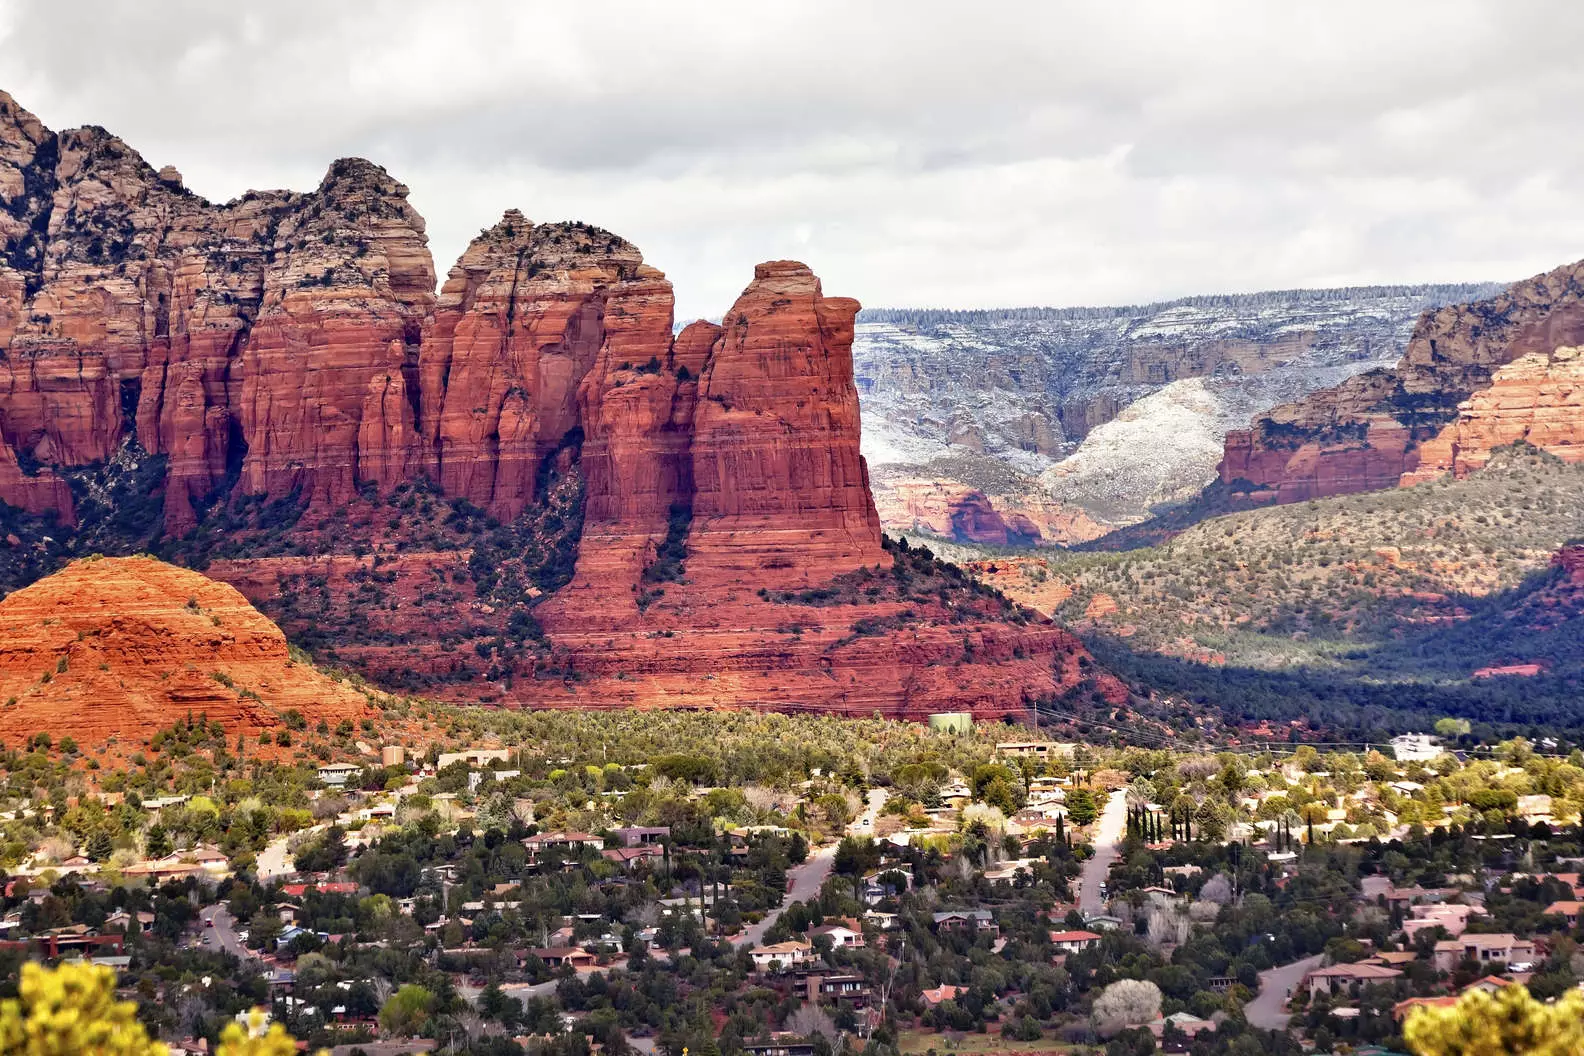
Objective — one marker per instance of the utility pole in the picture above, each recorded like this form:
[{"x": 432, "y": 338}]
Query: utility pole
[{"x": 885, "y": 991}]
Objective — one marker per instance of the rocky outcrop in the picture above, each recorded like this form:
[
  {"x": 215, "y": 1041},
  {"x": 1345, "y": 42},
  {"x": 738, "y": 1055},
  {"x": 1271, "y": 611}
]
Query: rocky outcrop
[
  {"x": 522, "y": 489},
  {"x": 520, "y": 323},
  {"x": 1405, "y": 424},
  {"x": 1537, "y": 399},
  {"x": 961, "y": 514},
  {"x": 118, "y": 648},
  {"x": 779, "y": 488},
  {"x": 270, "y": 338}
]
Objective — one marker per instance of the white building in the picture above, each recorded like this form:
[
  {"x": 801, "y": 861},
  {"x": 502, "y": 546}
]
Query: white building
[{"x": 1415, "y": 748}]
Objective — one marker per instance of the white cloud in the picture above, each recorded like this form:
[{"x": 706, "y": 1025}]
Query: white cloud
[{"x": 918, "y": 154}]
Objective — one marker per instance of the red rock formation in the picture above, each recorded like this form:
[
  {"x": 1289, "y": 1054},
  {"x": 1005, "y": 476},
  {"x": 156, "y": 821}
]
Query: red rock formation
[
  {"x": 1537, "y": 399},
  {"x": 117, "y": 648},
  {"x": 271, "y": 334},
  {"x": 1375, "y": 429},
  {"x": 291, "y": 347},
  {"x": 520, "y": 323},
  {"x": 958, "y": 512},
  {"x": 781, "y": 493}
]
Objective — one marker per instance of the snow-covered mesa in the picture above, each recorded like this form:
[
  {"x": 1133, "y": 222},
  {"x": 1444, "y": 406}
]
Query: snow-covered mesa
[{"x": 1108, "y": 412}]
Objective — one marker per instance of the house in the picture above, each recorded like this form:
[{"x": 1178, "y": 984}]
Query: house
[
  {"x": 1041, "y": 750},
  {"x": 1162, "y": 897},
  {"x": 339, "y": 887},
  {"x": 1401, "y": 1009},
  {"x": 1453, "y": 917},
  {"x": 780, "y": 1044},
  {"x": 1569, "y": 910},
  {"x": 1030, "y": 820},
  {"x": 642, "y": 836},
  {"x": 211, "y": 859},
  {"x": 955, "y": 794},
  {"x": 884, "y": 883},
  {"x": 627, "y": 857},
  {"x": 565, "y": 842},
  {"x": 338, "y": 774},
  {"x": 1104, "y": 921},
  {"x": 846, "y": 989},
  {"x": 1505, "y": 948},
  {"x": 1392, "y": 958},
  {"x": 559, "y": 956},
  {"x": 170, "y": 867},
  {"x": 121, "y": 920},
  {"x": 841, "y": 935},
  {"x": 1534, "y": 809},
  {"x": 473, "y": 757},
  {"x": 1182, "y": 1023},
  {"x": 1073, "y": 941},
  {"x": 1415, "y": 748},
  {"x": 782, "y": 954},
  {"x": 969, "y": 920},
  {"x": 942, "y": 993},
  {"x": 1339, "y": 978}
]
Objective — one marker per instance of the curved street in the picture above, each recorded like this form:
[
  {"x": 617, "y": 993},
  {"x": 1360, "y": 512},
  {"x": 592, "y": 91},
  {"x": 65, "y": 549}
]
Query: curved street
[{"x": 1268, "y": 1010}]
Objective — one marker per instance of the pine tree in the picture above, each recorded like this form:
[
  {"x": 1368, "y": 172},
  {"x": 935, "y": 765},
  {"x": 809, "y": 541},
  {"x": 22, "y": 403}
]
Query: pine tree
[{"x": 100, "y": 846}]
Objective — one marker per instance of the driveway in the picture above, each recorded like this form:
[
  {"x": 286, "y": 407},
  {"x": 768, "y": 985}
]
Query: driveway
[
  {"x": 1108, "y": 836},
  {"x": 1268, "y": 1010}
]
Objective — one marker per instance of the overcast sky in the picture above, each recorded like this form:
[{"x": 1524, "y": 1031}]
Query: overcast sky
[{"x": 915, "y": 154}]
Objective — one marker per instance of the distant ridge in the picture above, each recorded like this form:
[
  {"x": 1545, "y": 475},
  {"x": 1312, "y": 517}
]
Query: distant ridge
[{"x": 1440, "y": 292}]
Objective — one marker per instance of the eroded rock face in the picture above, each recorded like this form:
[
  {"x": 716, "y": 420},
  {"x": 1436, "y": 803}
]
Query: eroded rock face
[
  {"x": 270, "y": 338},
  {"x": 122, "y": 647},
  {"x": 527, "y": 468},
  {"x": 1537, "y": 399},
  {"x": 953, "y": 511},
  {"x": 1387, "y": 426}
]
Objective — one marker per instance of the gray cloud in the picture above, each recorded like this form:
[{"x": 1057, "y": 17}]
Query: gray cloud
[{"x": 921, "y": 153}]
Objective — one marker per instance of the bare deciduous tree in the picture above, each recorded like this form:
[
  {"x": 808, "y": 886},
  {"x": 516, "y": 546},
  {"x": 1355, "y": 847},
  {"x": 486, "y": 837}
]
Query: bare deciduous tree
[
  {"x": 810, "y": 1020},
  {"x": 1126, "y": 1003}
]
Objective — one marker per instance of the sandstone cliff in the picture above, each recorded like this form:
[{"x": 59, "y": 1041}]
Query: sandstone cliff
[
  {"x": 523, "y": 489},
  {"x": 1410, "y": 422},
  {"x": 122, "y": 647}
]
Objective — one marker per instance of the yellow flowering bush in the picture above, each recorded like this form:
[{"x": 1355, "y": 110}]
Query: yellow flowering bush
[
  {"x": 1508, "y": 1022},
  {"x": 69, "y": 1010},
  {"x": 73, "y": 1009}
]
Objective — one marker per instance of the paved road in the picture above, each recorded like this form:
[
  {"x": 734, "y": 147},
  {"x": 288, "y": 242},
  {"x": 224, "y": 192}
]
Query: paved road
[
  {"x": 274, "y": 860},
  {"x": 1268, "y": 1010},
  {"x": 224, "y": 933},
  {"x": 1108, "y": 834},
  {"x": 808, "y": 878}
]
